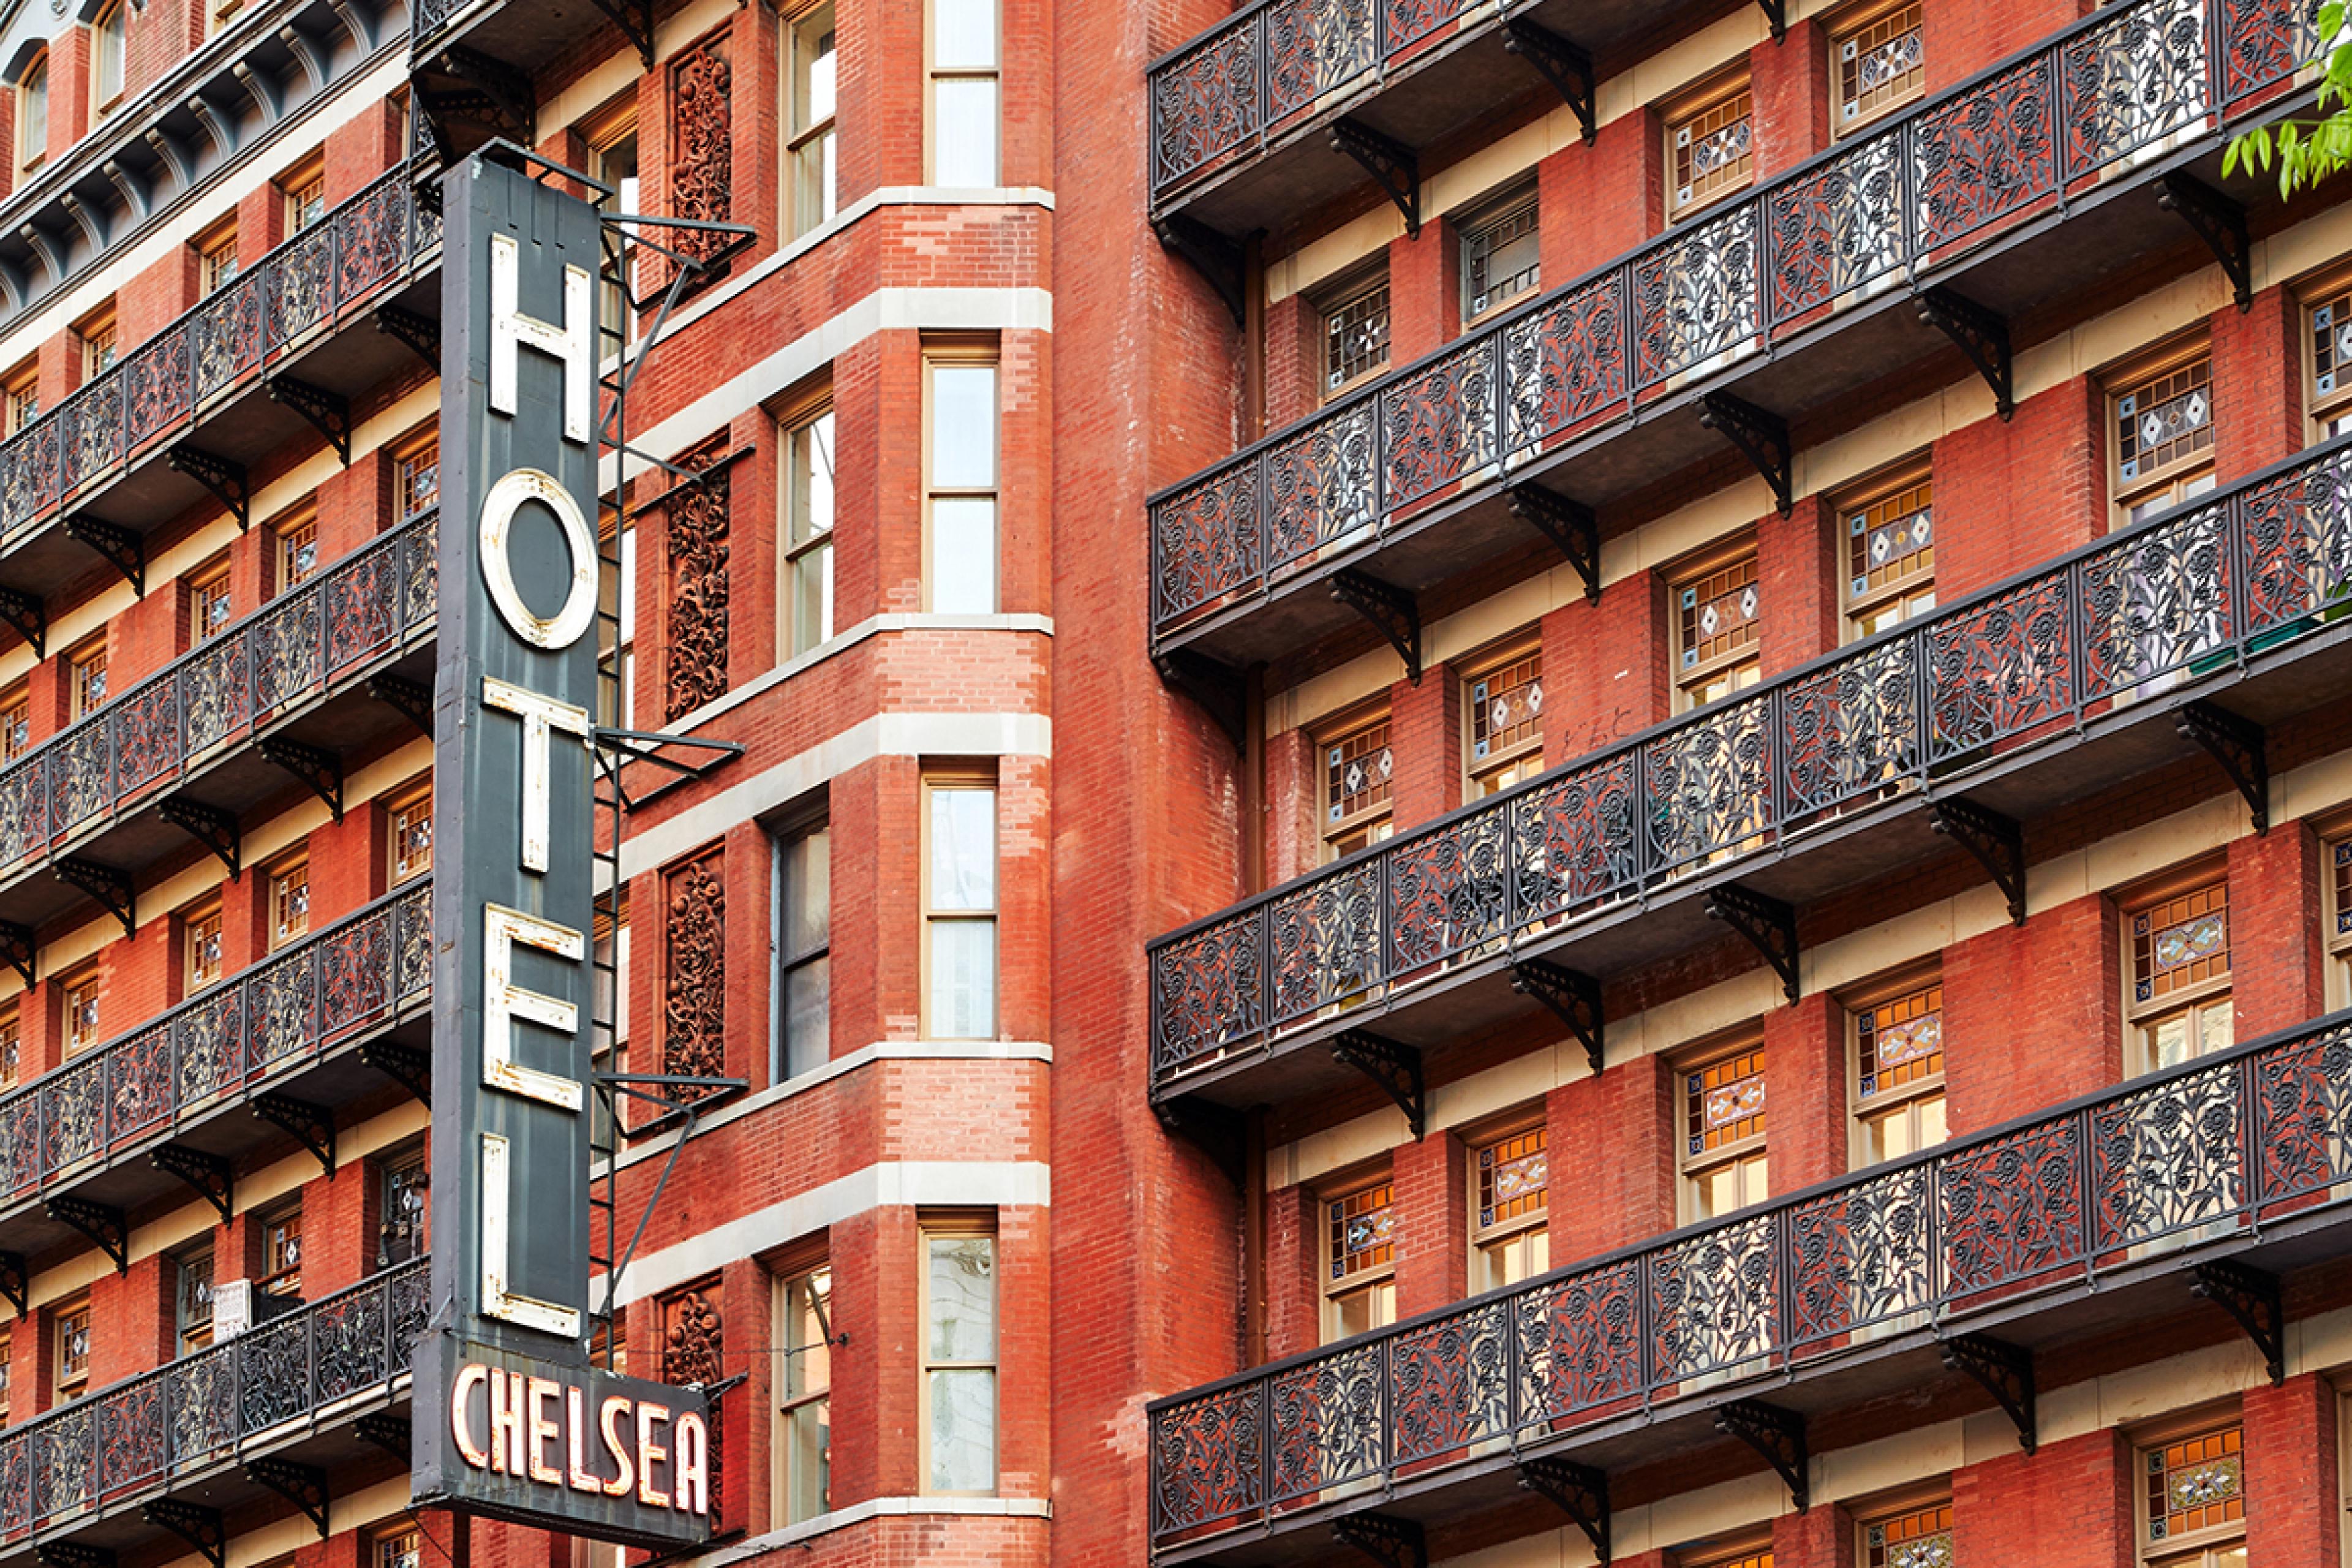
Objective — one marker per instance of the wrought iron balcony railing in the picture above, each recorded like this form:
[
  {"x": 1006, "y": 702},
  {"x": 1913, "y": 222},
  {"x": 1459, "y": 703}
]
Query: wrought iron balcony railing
[
  {"x": 2198, "y": 1157},
  {"x": 2196, "y": 596},
  {"x": 227, "y": 1042},
  {"x": 309, "y": 285},
  {"x": 1949, "y": 179},
  {"x": 230, "y": 687},
  {"x": 139, "y": 1437}
]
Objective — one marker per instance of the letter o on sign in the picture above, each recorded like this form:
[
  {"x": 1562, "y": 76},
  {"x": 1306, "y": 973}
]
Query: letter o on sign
[{"x": 567, "y": 626}]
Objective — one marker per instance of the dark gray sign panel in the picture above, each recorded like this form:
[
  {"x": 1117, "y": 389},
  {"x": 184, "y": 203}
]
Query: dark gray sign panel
[{"x": 510, "y": 1418}]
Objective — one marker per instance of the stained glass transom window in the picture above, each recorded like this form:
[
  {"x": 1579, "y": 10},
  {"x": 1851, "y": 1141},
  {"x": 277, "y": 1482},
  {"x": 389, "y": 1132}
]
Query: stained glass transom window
[
  {"x": 1358, "y": 770},
  {"x": 1506, "y": 709},
  {"x": 1362, "y": 1231},
  {"x": 12, "y": 1050},
  {"x": 1513, "y": 1176},
  {"x": 1356, "y": 337},
  {"x": 1712, "y": 150},
  {"x": 1891, "y": 540},
  {"x": 2331, "y": 344},
  {"x": 1901, "y": 1040},
  {"x": 1920, "y": 1539},
  {"x": 2196, "y": 1483},
  {"x": 1724, "y": 1101},
  {"x": 1717, "y": 613},
  {"x": 2181, "y": 942},
  {"x": 1500, "y": 259},
  {"x": 2165, "y": 420},
  {"x": 2339, "y": 855},
  {"x": 1880, "y": 64}
]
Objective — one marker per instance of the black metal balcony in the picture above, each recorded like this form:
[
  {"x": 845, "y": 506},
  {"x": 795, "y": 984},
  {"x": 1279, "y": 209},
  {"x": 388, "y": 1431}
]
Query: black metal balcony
[
  {"x": 473, "y": 60},
  {"x": 319, "y": 1023},
  {"x": 284, "y": 691},
  {"x": 231, "y": 383},
  {"x": 2021, "y": 191},
  {"x": 1983, "y": 716},
  {"x": 2228, "y": 1173},
  {"x": 294, "y": 1388},
  {"x": 1242, "y": 116}
]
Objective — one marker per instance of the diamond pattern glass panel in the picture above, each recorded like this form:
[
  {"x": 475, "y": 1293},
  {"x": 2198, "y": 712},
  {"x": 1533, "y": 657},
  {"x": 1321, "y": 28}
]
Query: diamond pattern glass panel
[
  {"x": 1507, "y": 709},
  {"x": 2196, "y": 1483},
  {"x": 1499, "y": 259},
  {"x": 1713, "y": 150},
  {"x": 1356, "y": 337},
  {"x": 1891, "y": 540},
  {"x": 2331, "y": 344},
  {"x": 2180, "y": 943},
  {"x": 1716, "y": 613},
  {"x": 1358, "y": 770},
  {"x": 1920, "y": 1539},
  {"x": 1879, "y": 65},
  {"x": 2165, "y": 421},
  {"x": 2339, "y": 855}
]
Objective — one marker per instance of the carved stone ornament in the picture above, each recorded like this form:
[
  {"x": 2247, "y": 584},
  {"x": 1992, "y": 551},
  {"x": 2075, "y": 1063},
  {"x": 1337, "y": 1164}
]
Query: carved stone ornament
[
  {"x": 695, "y": 658},
  {"x": 694, "y": 972},
  {"x": 694, "y": 1341},
  {"x": 702, "y": 144}
]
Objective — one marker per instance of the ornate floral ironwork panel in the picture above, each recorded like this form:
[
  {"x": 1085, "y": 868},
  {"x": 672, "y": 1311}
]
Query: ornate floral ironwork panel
[
  {"x": 1204, "y": 541},
  {"x": 356, "y": 985},
  {"x": 362, "y": 609},
  {"x": 273, "y": 1373},
  {"x": 370, "y": 239},
  {"x": 1208, "y": 990},
  {"x": 1580, "y": 1342},
  {"x": 160, "y": 384},
  {"x": 2166, "y": 1159},
  {"x": 351, "y": 1341},
  {"x": 301, "y": 284},
  {"x": 139, "y": 1082},
  {"x": 1714, "y": 1301},
  {"x": 694, "y": 984},
  {"x": 133, "y": 1437},
  {"x": 1694, "y": 297},
  {"x": 1849, "y": 730},
  {"x": 2156, "y": 603},
  {"x": 413, "y": 944},
  {"x": 1838, "y": 226},
  {"x": 1325, "y": 1422},
  {"x": 287, "y": 653},
  {"x": 146, "y": 725},
  {"x": 282, "y": 1005},
  {"x": 2296, "y": 534},
  {"x": 1861, "y": 1256},
  {"x": 1564, "y": 364},
  {"x": 2010, "y": 1209},
  {"x": 419, "y": 575},
  {"x": 65, "y": 1461},
  {"x": 1319, "y": 483},
  {"x": 229, "y": 336},
  {"x": 23, "y": 810},
  {"x": 1324, "y": 940},
  {"x": 16, "y": 1500},
  {"x": 2263, "y": 42},
  {"x": 1576, "y": 840},
  {"x": 1313, "y": 48},
  {"x": 1407, "y": 21},
  {"x": 1999, "y": 668},
  {"x": 93, "y": 430},
  {"x": 73, "y": 1110},
  {"x": 81, "y": 774},
  {"x": 1450, "y": 1382},
  {"x": 1983, "y": 155},
  {"x": 1439, "y": 424},
  {"x": 702, "y": 144},
  {"x": 202, "y": 1393},
  {"x": 2303, "y": 1115},
  {"x": 1206, "y": 1460},
  {"x": 1708, "y": 786},
  {"x": 20, "y": 1140},
  {"x": 219, "y": 690},
  {"x": 1450, "y": 891},
  {"x": 1205, "y": 102},
  {"x": 696, "y": 532},
  {"x": 209, "y": 1046},
  {"x": 2132, "y": 80}
]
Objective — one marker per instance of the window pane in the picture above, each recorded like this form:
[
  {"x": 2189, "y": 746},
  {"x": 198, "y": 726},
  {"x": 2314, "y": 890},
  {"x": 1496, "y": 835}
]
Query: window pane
[
  {"x": 963, "y": 979},
  {"x": 963, "y": 1431},
  {"x": 813, "y": 597},
  {"x": 811, "y": 1459},
  {"x": 963, "y": 556},
  {"x": 963, "y": 848},
  {"x": 963, "y": 32},
  {"x": 964, "y": 426},
  {"x": 808, "y": 863},
  {"x": 812, "y": 499},
  {"x": 814, "y": 69},
  {"x": 628, "y": 605},
  {"x": 962, "y": 1298},
  {"x": 807, "y": 1017},
  {"x": 965, "y": 134}
]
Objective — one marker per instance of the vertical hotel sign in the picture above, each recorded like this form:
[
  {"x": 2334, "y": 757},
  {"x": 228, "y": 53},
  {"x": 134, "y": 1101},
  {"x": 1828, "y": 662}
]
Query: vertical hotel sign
[{"x": 512, "y": 1421}]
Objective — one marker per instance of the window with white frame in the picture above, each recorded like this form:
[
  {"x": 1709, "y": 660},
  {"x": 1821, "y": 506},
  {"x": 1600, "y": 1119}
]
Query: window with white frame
[
  {"x": 191, "y": 1299},
  {"x": 1359, "y": 1259},
  {"x": 33, "y": 113},
  {"x": 805, "y": 1393},
  {"x": 281, "y": 1250},
  {"x": 1878, "y": 63},
  {"x": 289, "y": 903},
  {"x": 963, "y": 74},
  {"x": 960, "y": 1347},
  {"x": 1710, "y": 145},
  {"x": 69, "y": 1328},
  {"x": 108, "y": 37},
  {"x": 410, "y": 816},
  {"x": 1723, "y": 1115},
  {"x": 1717, "y": 604},
  {"x": 961, "y": 467},
  {"x": 16, "y": 721},
  {"x": 1897, "y": 1040},
  {"x": 80, "y": 1009},
  {"x": 2328, "y": 356},
  {"x": 616, "y": 624},
  {"x": 1503, "y": 709},
  {"x": 960, "y": 906},
  {"x": 2191, "y": 1494},
  {"x": 2337, "y": 867},
  {"x": 1510, "y": 1178},
  {"x": 1355, "y": 336},
  {"x": 804, "y": 950},
  {"x": 2161, "y": 424},
  {"x": 1887, "y": 533},
  {"x": 807, "y": 599},
  {"x": 1501, "y": 255},
  {"x": 1359, "y": 772},
  {"x": 811, "y": 171},
  {"x": 2177, "y": 1000},
  {"x": 297, "y": 550},
  {"x": 200, "y": 935}
]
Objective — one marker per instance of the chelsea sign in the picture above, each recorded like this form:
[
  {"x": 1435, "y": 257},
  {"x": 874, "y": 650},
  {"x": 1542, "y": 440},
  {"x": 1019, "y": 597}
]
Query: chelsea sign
[{"x": 511, "y": 1420}]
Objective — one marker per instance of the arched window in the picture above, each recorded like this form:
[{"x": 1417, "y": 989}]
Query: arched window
[
  {"x": 33, "y": 113},
  {"x": 107, "y": 40}
]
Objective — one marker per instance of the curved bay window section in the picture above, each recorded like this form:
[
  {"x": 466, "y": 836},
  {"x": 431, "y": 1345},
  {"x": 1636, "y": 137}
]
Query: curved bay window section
[
  {"x": 1584, "y": 1357},
  {"x": 1995, "y": 164},
  {"x": 286, "y": 1385},
  {"x": 2230, "y": 594}
]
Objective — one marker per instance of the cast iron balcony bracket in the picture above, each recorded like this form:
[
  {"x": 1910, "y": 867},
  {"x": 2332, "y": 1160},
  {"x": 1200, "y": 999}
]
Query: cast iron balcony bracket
[
  {"x": 1579, "y": 1491},
  {"x": 19, "y": 951},
  {"x": 25, "y": 614},
  {"x": 1388, "y": 1540},
  {"x": 1216, "y": 686},
  {"x": 1571, "y": 526},
  {"x": 1212, "y": 256},
  {"x": 2220, "y": 221},
  {"x": 109, "y": 886},
  {"x": 118, "y": 547},
  {"x": 1981, "y": 334},
  {"x": 72, "y": 1554},
  {"x": 1566, "y": 67},
  {"x": 1768, "y": 924},
  {"x": 193, "y": 1522},
  {"x": 421, "y": 334},
  {"x": 2252, "y": 1297},
  {"x": 1217, "y": 1131},
  {"x": 412, "y": 700},
  {"x": 304, "y": 1486},
  {"x": 1776, "y": 12},
  {"x": 327, "y": 412},
  {"x": 1780, "y": 1437},
  {"x": 1571, "y": 996},
  {"x": 407, "y": 1066},
  {"x": 1997, "y": 843},
  {"x": 14, "y": 1281},
  {"x": 2240, "y": 745},
  {"x": 312, "y": 1126},
  {"x": 635, "y": 20},
  {"x": 210, "y": 1176},
  {"x": 315, "y": 768},
  {"x": 1761, "y": 437},
  {"x": 224, "y": 479},
  {"x": 387, "y": 1431},
  {"x": 1394, "y": 613},
  {"x": 1394, "y": 1069},
  {"x": 2006, "y": 1372},
  {"x": 1393, "y": 166},
  {"x": 494, "y": 94},
  {"x": 102, "y": 1224},
  {"x": 209, "y": 826}
]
